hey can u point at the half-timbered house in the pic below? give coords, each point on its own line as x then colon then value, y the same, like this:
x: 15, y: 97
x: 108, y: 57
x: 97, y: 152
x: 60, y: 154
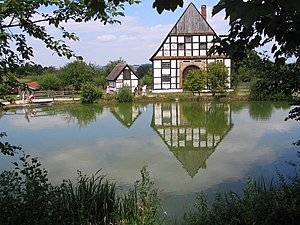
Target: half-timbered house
x: 122, y: 75
x: 185, y: 48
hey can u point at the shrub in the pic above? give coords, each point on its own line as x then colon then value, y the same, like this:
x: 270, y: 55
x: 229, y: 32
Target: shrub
x: 217, y: 74
x: 195, y: 80
x: 124, y: 94
x: 90, y: 93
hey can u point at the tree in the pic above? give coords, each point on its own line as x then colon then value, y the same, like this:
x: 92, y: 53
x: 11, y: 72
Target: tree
x: 147, y: 79
x: 75, y: 74
x: 20, y: 19
x: 258, y: 22
x: 246, y: 69
x: 111, y: 64
x: 49, y: 81
x: 217, y: 75
x: 195, y: 80
x: 143, y: 70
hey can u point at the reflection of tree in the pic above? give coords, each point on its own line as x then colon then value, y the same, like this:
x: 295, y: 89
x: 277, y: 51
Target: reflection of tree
x: 237, y: 106
x: 83, y: 114
x: 192, y: 130
x: 125, y: 113
x: 212, y: 116
x: 260, y: 110
x: 281, y: 105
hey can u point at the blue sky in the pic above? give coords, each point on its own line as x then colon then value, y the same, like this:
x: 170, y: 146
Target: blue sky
x: 141, y: 32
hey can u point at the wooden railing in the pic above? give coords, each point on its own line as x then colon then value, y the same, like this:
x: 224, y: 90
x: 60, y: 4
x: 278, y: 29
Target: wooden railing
x: 56, y: 94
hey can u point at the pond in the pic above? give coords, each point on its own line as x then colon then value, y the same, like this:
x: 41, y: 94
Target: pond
x: 188, y: 147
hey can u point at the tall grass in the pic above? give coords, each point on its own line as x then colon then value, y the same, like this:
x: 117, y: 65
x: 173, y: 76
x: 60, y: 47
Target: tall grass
x: 28, y: 198
x: 261, y: 203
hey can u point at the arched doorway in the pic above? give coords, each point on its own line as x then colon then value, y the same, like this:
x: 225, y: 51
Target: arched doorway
x: 185, y: 72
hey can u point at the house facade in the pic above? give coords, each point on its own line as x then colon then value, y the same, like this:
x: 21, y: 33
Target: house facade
x: 122, y: 75
x: 185, y: 48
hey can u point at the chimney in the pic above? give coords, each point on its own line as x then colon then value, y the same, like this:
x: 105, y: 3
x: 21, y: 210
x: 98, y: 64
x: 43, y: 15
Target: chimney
x: 203, y: 11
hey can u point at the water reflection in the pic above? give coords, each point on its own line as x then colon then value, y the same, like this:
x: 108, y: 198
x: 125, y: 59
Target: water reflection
x: 126, y: 114
x: 200, y: 135
x: 82, y: 115
x: 192, y: 131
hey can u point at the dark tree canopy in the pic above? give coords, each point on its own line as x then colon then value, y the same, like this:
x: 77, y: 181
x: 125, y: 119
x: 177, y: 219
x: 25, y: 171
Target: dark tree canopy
x: 255, y: 23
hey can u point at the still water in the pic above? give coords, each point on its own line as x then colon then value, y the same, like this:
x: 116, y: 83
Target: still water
x: 188, y: 147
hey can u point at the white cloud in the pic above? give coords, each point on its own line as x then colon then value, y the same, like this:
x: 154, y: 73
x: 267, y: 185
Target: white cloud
x: 106, y: 38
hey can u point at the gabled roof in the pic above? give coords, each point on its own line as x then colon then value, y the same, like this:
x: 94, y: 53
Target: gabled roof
x: 192, y: 22
x: 33, y: 85
x: 117, y: 70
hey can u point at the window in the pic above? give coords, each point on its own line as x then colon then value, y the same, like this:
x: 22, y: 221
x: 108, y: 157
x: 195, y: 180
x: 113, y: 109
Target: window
x: 126, y: 74
x: 202, y: 46
x: 165, y: 65
x: 180, y: 46
x: 166, y: 78
x: 188, y: 39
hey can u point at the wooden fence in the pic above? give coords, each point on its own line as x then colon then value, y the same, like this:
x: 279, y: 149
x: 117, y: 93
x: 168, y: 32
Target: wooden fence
x: 57, y: 94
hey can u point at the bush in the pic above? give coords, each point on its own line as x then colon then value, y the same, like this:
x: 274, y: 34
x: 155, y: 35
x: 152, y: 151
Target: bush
x: 217, y: 74
x: 195, y: 80
x: 124, y: 94
x: 90, y: 93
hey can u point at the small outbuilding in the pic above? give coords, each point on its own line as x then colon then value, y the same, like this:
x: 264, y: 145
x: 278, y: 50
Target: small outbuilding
x: 122, y: 75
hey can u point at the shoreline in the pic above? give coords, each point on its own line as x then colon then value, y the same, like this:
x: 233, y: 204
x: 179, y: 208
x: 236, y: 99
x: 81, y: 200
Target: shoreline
x: 150, y: 98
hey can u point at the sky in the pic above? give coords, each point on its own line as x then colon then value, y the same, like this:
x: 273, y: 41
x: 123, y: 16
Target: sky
x: 140, y: 34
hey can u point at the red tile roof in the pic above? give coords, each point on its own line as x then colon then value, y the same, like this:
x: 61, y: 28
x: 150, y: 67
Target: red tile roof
x: 32, y: 85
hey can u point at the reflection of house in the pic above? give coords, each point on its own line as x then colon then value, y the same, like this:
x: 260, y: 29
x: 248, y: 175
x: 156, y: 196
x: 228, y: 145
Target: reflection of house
x: 122, y: 75
x: 185, y: 48
x: 192, y: 142
x: 126, y: 113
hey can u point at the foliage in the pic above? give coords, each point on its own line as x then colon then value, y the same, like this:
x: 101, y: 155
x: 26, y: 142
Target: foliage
x: 124, y: 94
x: 256, y: 23
x: 25, y: 193
x: 217, y: 75
x: 49, y: 81
x: 111, y: 64
x: 29, y: 17
x: 275, y: 82
x: 90, y: 93
x: 143, y: 70
x: 261, y: 203
x: 29, y: 69
x: 141, y: 205
x: 147, y: 79
x: 246, y: 69
x: 90, y: 201
x: 6, y: 148
x: 75, y: 74
x: 6, y: 84
x: 162, y: 5
x: 195, y: 80
x: 27, y: 197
